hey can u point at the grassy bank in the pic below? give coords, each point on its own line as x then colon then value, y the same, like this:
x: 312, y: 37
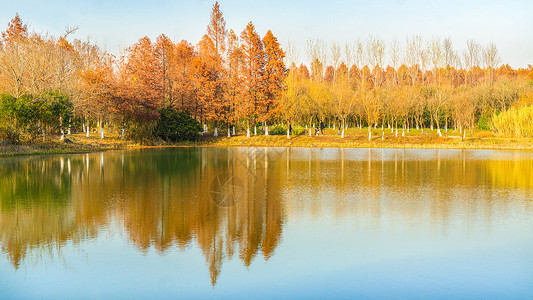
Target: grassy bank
x: 80, y: 144
x: 358, y: 138
x: 355, y: 138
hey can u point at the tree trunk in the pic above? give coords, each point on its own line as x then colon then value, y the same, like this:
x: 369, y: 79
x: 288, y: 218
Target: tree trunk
x: 229, y: 132
x: 101, y: 130
x: 233, y: 130
x: 343, y: 125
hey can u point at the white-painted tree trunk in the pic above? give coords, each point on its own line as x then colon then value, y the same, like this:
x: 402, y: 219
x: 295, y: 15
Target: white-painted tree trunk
x: 288, y: 133
x: 403, y: 131
x: 266, y: 130
x: 248, y: 132
x: 255, y: 130
x: 69, y: 132
x: 122, y: 133
x: 438, y: 131
x: 369, y: 135
x: 83, y: 127
x: 396, y: 131
x: 102, y: 130
x: 382, y: 135
x: 233, y: 130
x: 215, y: 133
x: 342, y: 134
x: 229, y: 132
x: 62, y: 138
x: 88, y: 128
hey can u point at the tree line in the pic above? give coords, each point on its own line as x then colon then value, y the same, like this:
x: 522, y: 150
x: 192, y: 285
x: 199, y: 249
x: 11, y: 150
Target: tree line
x: 54, y: 85
x: 427, y: 85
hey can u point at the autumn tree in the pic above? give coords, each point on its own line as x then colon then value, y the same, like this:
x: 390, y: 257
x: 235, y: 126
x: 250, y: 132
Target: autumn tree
x: 13, y: 59
x: 273, y: 77
x: 253, y: 75
x: 212, y: 75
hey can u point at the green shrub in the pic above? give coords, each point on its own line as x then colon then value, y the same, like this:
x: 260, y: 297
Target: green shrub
x: 142, y: 133
x: 484, y: 123
x: 173, y: 126
x: 9, y: 133
x: 28, y: 115
x: 281, y: 129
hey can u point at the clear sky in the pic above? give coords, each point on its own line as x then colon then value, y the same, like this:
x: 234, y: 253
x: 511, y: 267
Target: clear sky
x: 115, y: 25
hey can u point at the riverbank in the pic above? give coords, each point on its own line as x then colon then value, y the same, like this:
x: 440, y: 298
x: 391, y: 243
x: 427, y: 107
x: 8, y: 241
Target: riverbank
x: 358, y: 138
x: 78, y: 143
x: 355, y: 138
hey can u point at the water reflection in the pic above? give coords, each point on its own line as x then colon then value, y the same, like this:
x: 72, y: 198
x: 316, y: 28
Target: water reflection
x: 235, y: 202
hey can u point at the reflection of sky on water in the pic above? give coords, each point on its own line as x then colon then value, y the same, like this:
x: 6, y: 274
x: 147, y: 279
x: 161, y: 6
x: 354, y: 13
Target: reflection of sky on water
x: 316, y: 260
x: 398, y: 225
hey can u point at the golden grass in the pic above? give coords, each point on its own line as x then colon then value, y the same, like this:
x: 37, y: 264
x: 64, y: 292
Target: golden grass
x: 358, y: 138
x: 355, y: 138
x: 515, y: 122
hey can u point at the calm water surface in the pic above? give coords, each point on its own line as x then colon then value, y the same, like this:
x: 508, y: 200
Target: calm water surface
x: 268, y: 223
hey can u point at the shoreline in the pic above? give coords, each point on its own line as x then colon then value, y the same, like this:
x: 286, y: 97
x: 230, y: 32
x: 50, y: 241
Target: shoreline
x: 94, y: 144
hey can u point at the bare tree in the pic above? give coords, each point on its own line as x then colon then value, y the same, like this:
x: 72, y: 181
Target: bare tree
x: 376, y: 54
x: 491, y: 59
x: 394, y: 53
x: 437, y: 57
x: 471, y: 57
x: 292, y: 54
x: 335, y: 57
x: 412, y: 57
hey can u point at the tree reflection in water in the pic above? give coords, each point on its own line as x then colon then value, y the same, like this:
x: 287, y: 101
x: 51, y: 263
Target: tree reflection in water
x: 169, y: 198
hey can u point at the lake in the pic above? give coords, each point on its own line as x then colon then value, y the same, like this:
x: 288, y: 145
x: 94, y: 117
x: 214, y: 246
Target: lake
x: 268, y: 223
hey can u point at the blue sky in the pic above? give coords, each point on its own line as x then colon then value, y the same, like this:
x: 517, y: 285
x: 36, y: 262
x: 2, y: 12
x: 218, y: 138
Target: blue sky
x: 117, y: 24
